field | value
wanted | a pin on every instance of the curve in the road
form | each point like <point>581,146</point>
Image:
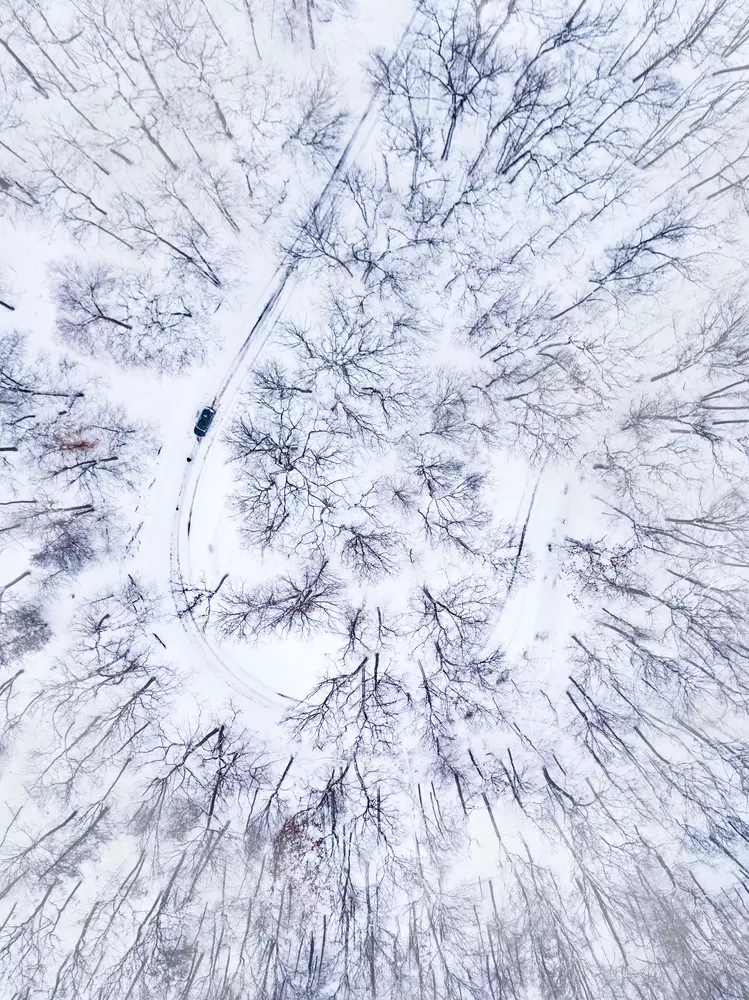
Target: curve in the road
<point>281,287</point>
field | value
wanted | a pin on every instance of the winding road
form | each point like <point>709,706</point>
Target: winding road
<point>276,296</point>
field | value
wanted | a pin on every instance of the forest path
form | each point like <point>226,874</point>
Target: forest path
<point>274,299</point>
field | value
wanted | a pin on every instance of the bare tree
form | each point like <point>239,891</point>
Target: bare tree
<point>185,241</point>
<point>360,361</point>
<point>292,469</point>
<point>200,774</point>
<point>74,457</point>
<point>300,19</point>
<point>358,709</point>
<point>371,553</point>
<point>138,321</point>
<point>450,500</point>
<point>24,630</point>
<point>635,264</point>
<point>319,121</point>
<point>67,544</point>
<point>303,603</point>
<point>94,450</point>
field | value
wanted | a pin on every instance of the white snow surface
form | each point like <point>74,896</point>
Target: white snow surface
<point>546,800</point>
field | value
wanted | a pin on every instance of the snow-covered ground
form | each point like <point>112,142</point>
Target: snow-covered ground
<point>423,673</point>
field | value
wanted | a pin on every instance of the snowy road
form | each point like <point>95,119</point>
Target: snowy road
<point>275,297</point>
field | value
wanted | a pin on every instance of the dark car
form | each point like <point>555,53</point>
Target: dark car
<point>204,421</point>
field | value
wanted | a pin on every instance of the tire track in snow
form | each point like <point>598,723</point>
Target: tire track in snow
<point>282,285</point>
